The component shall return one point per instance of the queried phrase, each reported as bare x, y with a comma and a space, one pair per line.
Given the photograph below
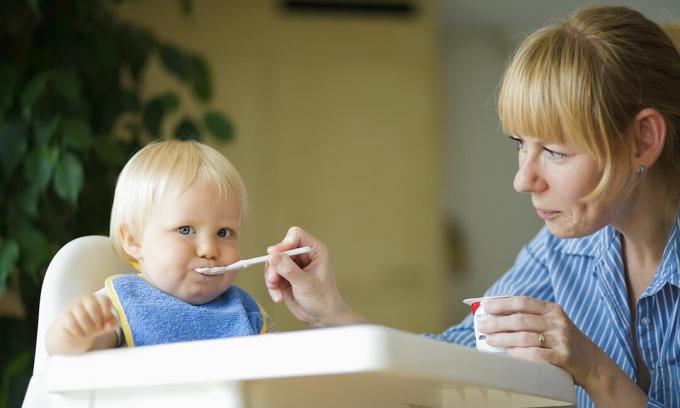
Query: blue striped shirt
585, 276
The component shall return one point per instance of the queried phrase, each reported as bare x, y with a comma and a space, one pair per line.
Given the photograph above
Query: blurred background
370, 123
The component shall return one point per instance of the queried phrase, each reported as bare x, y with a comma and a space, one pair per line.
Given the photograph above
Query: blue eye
185, 230
224, 232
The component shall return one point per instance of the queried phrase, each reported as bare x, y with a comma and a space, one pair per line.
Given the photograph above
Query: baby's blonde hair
162, 166
583, 81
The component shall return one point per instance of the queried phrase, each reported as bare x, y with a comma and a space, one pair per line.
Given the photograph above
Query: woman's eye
519, 142
555, 155
224, 232
185, 230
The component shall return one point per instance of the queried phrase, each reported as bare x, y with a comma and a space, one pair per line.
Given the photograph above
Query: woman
593, 104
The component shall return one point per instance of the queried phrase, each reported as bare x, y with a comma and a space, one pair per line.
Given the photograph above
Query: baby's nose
207, 248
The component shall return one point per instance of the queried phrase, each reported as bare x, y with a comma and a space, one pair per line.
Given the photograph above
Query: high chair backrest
78, 268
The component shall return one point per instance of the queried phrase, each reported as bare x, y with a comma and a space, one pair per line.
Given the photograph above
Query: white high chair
79, 267
361, 366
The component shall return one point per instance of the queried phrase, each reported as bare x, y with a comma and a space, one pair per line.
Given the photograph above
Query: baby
178, 206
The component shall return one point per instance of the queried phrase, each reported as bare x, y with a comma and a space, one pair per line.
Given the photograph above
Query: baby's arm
86, 324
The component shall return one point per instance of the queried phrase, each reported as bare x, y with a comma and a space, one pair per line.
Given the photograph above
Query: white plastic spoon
244, 263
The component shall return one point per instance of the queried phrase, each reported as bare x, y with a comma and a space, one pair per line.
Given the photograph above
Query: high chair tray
354, 366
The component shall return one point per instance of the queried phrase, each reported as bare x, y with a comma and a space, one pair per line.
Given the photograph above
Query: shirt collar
670, 261
600, 242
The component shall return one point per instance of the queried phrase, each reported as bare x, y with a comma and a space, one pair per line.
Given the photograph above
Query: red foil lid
475, 306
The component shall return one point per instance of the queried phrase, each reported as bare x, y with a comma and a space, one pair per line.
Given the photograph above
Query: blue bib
149, 316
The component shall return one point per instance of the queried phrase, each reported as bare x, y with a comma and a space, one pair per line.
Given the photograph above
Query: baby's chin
200, 299
203, 295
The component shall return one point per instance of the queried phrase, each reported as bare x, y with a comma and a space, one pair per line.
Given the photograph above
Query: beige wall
494, 220
336, 121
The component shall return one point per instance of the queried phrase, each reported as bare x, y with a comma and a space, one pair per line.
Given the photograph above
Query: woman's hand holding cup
541, 331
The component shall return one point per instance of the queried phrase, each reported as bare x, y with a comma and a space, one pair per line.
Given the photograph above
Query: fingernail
276, 297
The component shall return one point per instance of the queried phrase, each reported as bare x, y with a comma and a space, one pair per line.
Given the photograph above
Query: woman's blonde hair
583, 81
170, 165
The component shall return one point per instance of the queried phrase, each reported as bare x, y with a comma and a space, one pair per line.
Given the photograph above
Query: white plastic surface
79, 267
357, 366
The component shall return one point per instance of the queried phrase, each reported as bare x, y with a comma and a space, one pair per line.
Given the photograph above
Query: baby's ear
131, 244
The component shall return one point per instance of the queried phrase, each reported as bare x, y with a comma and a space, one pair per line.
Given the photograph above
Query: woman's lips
546, 214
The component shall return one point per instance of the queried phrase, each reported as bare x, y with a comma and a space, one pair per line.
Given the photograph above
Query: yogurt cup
479, 314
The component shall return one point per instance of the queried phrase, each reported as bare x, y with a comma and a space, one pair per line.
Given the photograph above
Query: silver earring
641, 169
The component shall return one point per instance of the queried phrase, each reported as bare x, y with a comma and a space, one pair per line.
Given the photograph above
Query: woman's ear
650, 137
131, 244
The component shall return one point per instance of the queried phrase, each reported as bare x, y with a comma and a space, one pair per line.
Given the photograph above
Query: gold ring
541, 340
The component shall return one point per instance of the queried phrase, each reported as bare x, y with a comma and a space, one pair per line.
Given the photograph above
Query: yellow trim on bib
124, 324
135, 265
264, 318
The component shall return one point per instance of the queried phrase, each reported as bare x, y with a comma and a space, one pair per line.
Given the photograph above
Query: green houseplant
71, 114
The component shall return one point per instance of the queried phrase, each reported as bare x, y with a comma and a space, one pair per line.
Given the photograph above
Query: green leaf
110, 152
219, 126
13, 142
200, 79
34, 89
17, 367
156, 109
136, 44
8, 82
187, 130
9, 253
153, 116
170, 101
187, 7
66, 83
44, 129
38, 166
68, 178
76, 133
27, 201
32, 241
175, 62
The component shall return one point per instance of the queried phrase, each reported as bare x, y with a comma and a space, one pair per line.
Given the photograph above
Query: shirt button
645, 321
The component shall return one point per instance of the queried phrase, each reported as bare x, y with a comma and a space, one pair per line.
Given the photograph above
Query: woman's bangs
544, 94
526, 106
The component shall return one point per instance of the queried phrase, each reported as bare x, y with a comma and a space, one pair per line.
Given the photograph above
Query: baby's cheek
229, 278
230, 256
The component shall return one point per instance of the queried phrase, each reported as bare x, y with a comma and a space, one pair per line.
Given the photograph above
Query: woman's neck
644, 223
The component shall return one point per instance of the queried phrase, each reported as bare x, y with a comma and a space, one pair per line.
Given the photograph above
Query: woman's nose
528, 178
